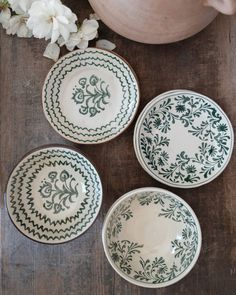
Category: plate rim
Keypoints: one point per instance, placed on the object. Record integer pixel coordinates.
(137, 128)
(42, 147)
(92, 48)
(114, 266)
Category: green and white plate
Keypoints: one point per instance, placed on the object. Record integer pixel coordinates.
(151, 237)
(90, 96)
(54, 194)
(183, 139)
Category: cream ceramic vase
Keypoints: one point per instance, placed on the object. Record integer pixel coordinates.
(159, 21)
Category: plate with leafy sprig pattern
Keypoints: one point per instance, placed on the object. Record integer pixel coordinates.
(90, 96)
(151, 237)
(54, 194)
(183, 139)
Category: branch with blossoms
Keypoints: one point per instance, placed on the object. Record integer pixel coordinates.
(51, 20)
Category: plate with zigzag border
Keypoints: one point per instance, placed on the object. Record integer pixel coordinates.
(90, 96)
(54, 194)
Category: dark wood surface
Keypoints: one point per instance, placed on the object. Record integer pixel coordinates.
(205, 63)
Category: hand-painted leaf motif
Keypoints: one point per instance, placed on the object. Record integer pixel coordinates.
(78, 96)
(83, 82)
(213, 135)
(123, 252)
(52, 175)
(92, 96)
(64, 175)
(46, 189)
(93, 80)
(60, 192)
(131, 257)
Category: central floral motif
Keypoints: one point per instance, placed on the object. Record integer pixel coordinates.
(59, 191)
(91, 95)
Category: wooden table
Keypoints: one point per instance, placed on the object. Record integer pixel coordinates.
(205, 63)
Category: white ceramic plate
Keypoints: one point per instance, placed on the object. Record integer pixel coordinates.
(151, 237)
(54, 194)
(90, 96)
(183, 139)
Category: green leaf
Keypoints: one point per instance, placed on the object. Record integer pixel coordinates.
(93, 111)
(64, 175)
(78, 96)
(52, 175)
(83, 110)
(93, 80)
(83, 82)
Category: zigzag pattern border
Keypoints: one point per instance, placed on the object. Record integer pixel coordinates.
(21, 182)
(57, 92)
(71, 127)
(76, 127)
(43, 236)
(39, 215)
(92, 135)
(78, 54)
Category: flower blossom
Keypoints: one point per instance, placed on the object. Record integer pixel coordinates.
(5, 16)
(80, 39)
(20, 6)
(50, 19)
(17, 25)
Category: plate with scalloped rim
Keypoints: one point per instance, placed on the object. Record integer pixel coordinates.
(151, 237)
(183, 139)
(90, 96)
(54, 194)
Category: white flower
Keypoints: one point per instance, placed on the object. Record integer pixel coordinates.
(50, 19)
(86, 32)
(52, 51)
(20, 6)
(5, 16)
(89, 30)
(17, 25)
(72, 42)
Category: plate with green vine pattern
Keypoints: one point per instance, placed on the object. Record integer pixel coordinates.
(90, 96)
(151, 237)
(54, 194)
(183, 139)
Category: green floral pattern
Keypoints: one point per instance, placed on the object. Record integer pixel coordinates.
(122, 253)
(128, 255)
(102, 61)
(124, 212)
(59, 192)
(147, 199)
(91, 95)
(203, 120)
(155, 271)
(27, 193)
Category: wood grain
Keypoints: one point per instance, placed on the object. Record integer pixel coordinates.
(205, 63)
